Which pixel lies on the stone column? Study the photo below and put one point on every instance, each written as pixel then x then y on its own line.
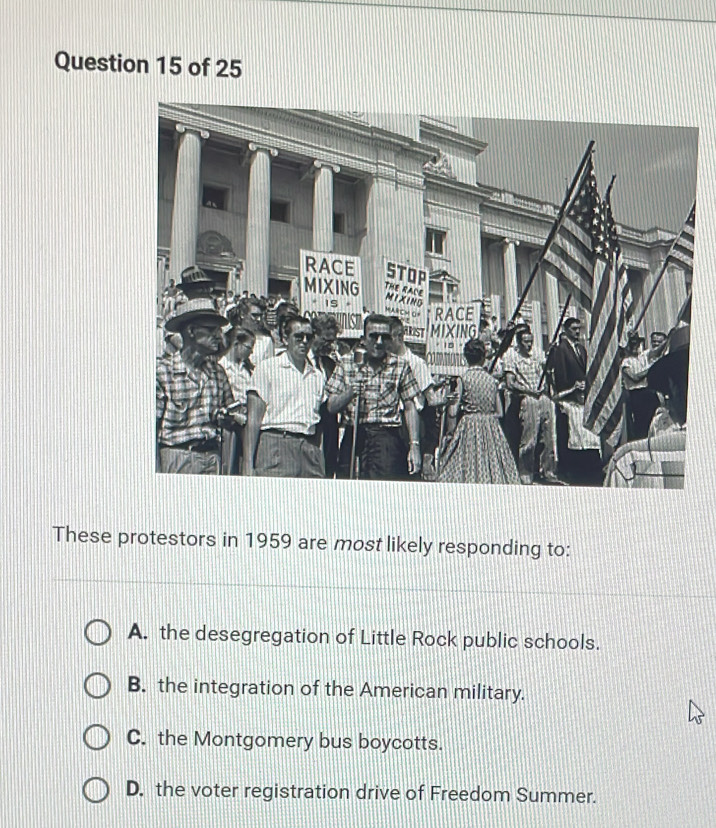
pixel 258 225
pixel 323 206
pixel 551 293
pixel 509 262
pixel 537 324
pixel 162 270
pixel 187 195
pixel 496 309
pixel 466 255
pixel 394 222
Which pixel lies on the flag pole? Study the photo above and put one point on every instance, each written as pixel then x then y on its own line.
pixel 545 248
pixel 354 436
pixel 608 193
pixel 554 341
pixel 685 307
pixel 662 270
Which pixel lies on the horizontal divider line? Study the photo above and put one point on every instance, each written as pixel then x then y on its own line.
pixel 466 6
pixel 678 596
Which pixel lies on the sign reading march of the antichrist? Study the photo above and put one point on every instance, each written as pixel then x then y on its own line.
pixel 450 325
pixel 406 296
pixel 332 283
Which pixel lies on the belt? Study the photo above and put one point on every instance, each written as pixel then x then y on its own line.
pixel 280 432
pixel 198 446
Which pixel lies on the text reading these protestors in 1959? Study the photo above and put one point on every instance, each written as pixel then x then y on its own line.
pixel 420 546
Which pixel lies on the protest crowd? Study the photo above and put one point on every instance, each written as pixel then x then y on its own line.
pixel 250 385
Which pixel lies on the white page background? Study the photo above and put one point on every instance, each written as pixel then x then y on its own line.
pixel 79 236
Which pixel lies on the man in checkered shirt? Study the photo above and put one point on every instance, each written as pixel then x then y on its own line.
pixel 192 390
pixel 385 389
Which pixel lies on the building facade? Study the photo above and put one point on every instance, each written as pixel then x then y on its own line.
pixel 242 190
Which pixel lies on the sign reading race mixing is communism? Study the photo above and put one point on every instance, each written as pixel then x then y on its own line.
pixel 332 283
pixel 450 325
pixel 406 296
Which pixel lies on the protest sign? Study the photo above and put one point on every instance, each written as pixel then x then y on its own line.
pixel 332 283
pixel 450 325
pixel 406 296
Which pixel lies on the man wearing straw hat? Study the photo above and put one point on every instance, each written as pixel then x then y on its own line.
pixel 192 389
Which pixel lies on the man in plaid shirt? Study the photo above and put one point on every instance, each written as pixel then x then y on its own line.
pixel 385 389
pixel 192 389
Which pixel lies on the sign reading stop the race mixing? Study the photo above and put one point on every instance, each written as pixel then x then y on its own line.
pixel 450 325
pixel 406 296
pixel 331 283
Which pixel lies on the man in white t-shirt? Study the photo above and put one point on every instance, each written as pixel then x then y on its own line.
pixel 428 392
pixel 281 438
pixel 523 376
pixel 641 401
pixel 429 398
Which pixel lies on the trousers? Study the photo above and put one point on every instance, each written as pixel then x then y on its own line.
pixel 537 421
pixel 183 461
pixel 285 454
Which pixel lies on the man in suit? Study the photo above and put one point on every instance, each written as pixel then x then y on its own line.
pixel 568 362
pixel 567 370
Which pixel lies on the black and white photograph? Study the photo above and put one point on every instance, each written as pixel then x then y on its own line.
pixel 379 296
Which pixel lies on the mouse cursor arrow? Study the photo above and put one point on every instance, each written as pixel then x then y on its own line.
pixel 696 715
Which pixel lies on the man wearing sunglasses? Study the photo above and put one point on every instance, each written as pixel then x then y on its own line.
pixel 250 314
pixel 385 389
pixel 281 438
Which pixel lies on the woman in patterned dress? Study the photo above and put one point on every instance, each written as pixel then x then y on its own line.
pixel 477 451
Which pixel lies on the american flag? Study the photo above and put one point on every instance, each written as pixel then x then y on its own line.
pixel 570 256
pixel 682 250
pixel 612 304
